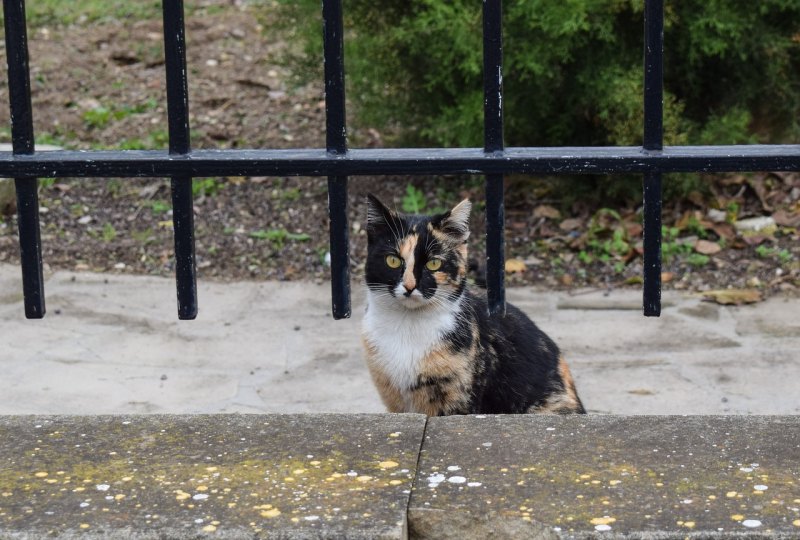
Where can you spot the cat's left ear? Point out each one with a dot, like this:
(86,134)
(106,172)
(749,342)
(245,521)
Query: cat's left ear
(455,223)
(378,216)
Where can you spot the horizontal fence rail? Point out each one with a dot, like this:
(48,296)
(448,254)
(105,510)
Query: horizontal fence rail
(337,162)
(396,161)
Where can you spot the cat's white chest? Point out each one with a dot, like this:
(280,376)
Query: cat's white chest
(401,338)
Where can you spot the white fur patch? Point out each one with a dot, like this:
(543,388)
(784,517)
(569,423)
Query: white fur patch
(402,337)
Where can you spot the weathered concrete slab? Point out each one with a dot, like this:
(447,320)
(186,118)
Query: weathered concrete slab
(112,344)
(608,477)
(230,476)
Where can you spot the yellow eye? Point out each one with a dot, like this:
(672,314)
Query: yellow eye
(393,262)
(434,264)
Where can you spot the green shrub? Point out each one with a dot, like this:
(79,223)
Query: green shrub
(573,70)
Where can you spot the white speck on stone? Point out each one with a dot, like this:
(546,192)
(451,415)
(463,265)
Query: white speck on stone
(200,496)
(109,498)
(311,518)
(102,487)
(687,501)
(309,456)
(761,487)
(751,523)
(551,429)
(83,504)
(602,528)
(198,521)
(352,473)
(557,529)
(126,422)
(487,444)
(436,478)
(456,479)
(474,484)
(481,416)
(453,468)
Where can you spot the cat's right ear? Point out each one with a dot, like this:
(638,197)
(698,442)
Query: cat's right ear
(378,216)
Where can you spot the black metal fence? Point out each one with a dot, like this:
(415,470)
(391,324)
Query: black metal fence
(337,162)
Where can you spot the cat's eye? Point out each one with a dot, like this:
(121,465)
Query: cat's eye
(433,265)
(393,262)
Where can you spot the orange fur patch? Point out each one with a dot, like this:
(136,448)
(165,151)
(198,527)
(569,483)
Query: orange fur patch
(406,250)
(391,396)
(561,402)
(566,376)
(446,397)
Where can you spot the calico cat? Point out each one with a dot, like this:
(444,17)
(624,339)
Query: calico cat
(431,345)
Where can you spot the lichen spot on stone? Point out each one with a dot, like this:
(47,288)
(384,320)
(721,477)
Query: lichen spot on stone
(605,520)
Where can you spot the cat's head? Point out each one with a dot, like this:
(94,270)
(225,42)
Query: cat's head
(414,261)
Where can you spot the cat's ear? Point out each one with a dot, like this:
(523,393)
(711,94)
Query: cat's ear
(378,216)
(455,223)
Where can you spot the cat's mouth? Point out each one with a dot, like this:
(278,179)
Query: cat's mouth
(413,300)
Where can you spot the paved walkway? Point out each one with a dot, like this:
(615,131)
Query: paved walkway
(113,344)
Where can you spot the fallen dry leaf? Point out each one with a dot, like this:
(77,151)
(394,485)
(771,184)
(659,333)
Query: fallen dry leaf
(724,230)
(570,224)
(544,211)
(707,248)
(666,277)
(515,265)
(785,218)
(641,392)
(734,297)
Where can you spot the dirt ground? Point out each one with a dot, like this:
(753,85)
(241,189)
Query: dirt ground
(102,85)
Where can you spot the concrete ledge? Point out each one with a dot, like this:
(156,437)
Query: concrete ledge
(350,476)
(608,477)
(275,476)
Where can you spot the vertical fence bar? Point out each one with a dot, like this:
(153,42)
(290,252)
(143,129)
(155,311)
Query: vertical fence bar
(336,143)
(19,91)
(493,143)
(179,144)
(653,140)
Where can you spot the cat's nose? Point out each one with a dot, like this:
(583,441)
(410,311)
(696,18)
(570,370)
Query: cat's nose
(408,291)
